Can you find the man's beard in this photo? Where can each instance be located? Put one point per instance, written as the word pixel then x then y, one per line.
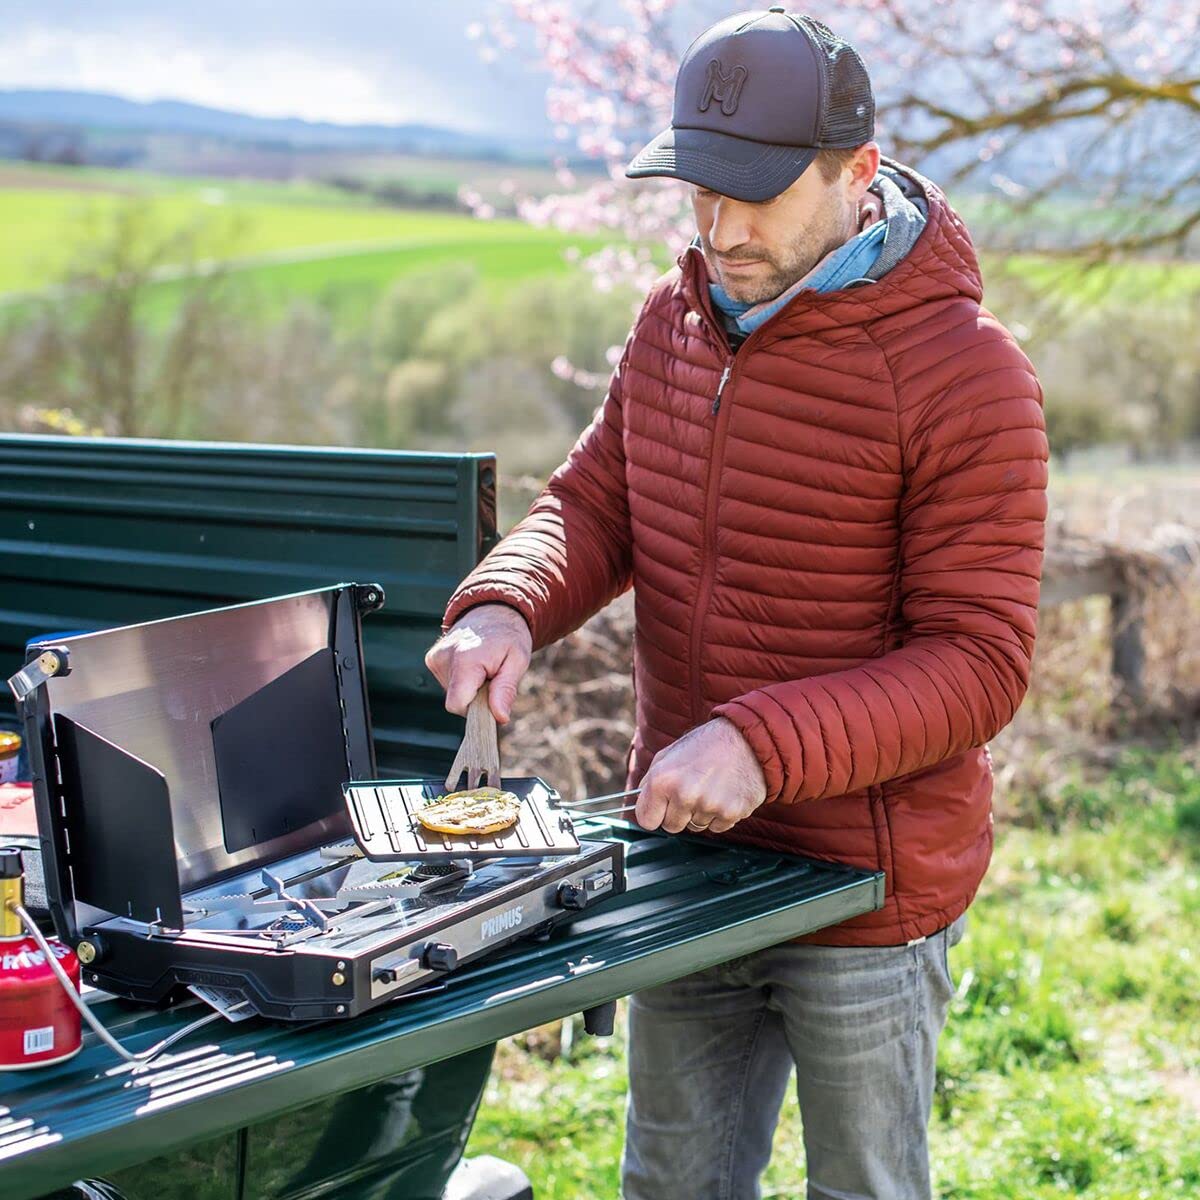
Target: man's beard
pixel 828 228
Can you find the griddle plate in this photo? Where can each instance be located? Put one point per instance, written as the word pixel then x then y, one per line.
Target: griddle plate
pixel 386 827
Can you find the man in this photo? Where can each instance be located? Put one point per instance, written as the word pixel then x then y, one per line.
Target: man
pixel 821 466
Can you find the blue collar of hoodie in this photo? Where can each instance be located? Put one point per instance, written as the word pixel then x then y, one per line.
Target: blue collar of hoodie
pixel 850 264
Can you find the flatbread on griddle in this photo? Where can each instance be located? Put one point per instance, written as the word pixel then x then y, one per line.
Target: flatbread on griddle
pixel 478 811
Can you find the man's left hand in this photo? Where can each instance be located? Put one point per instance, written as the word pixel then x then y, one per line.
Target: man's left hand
pixel 708 780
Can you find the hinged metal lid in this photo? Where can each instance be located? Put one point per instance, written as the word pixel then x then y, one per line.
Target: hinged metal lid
pixel 170 754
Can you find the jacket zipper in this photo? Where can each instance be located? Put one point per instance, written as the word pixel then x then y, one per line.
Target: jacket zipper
pixel 708 539
pixel 716 404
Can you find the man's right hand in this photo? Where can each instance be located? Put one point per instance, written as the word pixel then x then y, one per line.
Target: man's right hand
pixel 491 642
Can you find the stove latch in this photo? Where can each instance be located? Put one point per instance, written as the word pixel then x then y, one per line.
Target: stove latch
pixel 577 894
pixel 52 661
pixel 387 974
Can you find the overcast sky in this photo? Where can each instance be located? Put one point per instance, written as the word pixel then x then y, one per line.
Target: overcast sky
pixel 338 60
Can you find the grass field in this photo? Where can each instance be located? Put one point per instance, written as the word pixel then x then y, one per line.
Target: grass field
pixel 349 282
pixel 291 240
pixel 1071 1061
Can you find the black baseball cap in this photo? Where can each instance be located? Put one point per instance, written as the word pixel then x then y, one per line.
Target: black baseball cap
pixel 757 95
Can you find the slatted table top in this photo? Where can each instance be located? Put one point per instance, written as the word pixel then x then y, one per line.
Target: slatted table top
pixel 689 904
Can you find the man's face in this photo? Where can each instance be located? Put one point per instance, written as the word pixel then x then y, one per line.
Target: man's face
pixel 757 250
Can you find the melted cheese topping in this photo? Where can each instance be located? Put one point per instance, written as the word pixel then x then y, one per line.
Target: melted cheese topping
pixel 480 810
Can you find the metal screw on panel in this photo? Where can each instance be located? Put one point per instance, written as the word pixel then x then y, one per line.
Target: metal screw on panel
pixel 338 979
pixel 341 1008
pixel 95 978
pixel 372 597
pixel 86 952
pixel 341 966
pixel 348 662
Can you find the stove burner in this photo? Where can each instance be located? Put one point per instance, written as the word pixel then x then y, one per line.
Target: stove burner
pixel 287 924
pixel 428 870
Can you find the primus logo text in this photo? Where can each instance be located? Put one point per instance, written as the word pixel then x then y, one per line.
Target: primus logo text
pixel 510 918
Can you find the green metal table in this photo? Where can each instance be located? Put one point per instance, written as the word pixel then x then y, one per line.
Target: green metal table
pixel 690 904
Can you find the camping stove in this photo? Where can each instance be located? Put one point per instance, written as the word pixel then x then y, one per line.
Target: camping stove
pixel 330 933
pixel 208 818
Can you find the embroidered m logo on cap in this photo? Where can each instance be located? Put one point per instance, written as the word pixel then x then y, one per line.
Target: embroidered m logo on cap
pixel 725 88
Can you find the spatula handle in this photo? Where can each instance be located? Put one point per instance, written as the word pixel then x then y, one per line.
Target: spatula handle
pixel 479 754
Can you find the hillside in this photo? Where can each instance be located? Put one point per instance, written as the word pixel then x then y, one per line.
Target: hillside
pixel 97 111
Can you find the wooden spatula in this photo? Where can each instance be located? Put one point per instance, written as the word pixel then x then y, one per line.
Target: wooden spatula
pixel 479 754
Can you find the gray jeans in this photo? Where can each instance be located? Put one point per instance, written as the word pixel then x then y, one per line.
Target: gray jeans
pixel 710 1055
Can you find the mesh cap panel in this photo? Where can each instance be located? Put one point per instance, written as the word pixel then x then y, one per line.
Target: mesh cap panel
pixel 849 117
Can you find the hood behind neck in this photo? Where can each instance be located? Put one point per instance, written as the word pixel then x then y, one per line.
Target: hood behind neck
pixel 905 211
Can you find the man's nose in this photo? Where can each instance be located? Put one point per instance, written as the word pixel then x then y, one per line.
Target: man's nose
pixel 730 226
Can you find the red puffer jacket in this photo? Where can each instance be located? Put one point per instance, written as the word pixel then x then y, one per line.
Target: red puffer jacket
pixel 841 555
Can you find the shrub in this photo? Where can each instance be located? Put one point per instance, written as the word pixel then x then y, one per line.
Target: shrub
pixel 411 303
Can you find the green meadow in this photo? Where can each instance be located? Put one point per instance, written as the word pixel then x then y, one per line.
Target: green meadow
pixel 349 282
pixel 288 240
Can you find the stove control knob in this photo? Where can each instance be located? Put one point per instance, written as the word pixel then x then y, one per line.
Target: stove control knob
pixel 571 895
pixel 439 956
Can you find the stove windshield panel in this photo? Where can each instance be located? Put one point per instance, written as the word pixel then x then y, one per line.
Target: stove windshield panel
pixel 158 691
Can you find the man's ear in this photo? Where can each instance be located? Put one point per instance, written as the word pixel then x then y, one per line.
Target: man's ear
pixel 863 168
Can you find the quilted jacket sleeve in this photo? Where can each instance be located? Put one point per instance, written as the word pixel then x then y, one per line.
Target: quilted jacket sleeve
pixel 571 554
pixel 972 519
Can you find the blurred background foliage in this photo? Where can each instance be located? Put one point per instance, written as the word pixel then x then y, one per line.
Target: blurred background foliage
pixel 160 325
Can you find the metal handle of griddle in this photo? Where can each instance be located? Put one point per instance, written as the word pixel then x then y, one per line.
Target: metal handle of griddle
pixel 601 806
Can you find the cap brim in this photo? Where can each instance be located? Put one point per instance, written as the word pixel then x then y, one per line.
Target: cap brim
pixel 733 166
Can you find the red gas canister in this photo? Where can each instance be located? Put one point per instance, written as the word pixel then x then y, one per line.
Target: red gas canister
pixel 38 1022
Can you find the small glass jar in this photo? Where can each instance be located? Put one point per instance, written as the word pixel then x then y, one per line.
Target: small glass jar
pixel 10 752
